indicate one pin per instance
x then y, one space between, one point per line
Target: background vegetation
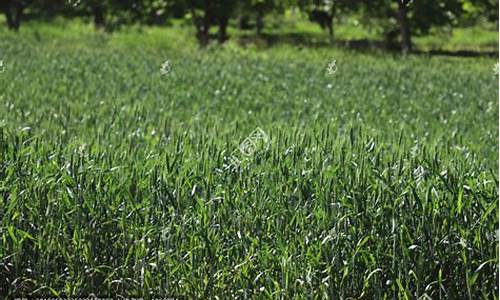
397 22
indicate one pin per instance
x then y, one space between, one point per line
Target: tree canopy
401 19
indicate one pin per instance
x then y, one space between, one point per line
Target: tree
412 17
258 9
223 10
98 10
206 13
13 10
323 12
404 27
104 11
106 14
156 12
485 8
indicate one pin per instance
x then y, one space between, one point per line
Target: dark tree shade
324 12
13 10
413 17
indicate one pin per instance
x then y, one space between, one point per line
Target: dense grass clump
378 181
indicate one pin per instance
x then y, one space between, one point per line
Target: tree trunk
223 29
203 33
390 38
329 25
202 24
18 13
13 13
259 22
404 27
206 23
243 22
99 19
197 23
10 19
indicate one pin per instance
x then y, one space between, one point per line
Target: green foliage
422 14
403 18
483 8
380 181
426 13
324 11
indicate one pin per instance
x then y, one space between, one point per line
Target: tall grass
379 181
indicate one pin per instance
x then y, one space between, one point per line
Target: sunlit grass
379 180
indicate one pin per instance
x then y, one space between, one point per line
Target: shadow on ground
362 45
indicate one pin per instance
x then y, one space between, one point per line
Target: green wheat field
378 181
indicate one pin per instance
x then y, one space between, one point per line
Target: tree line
400 19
